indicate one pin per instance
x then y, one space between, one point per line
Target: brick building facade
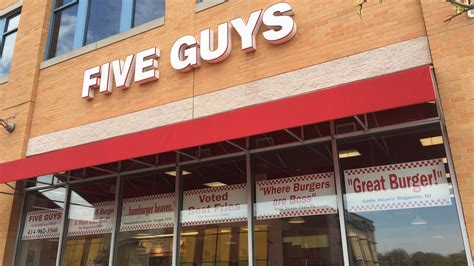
332 47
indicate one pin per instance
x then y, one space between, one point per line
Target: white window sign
397 186
215 205
149 212
296 196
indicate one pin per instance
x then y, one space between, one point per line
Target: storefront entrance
376 189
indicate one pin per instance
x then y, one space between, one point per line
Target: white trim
206 4
381 61
11 8
4 79
104 42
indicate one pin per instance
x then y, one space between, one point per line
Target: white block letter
224 43
90 82
248 32
278 18
146 67
184 54
106 76
123 72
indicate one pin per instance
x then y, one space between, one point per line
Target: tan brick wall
6 3
16 104
49 100
322 36
452 48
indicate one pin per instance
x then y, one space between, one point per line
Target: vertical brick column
452 48
17 98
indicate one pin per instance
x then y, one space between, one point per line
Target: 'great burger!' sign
188 52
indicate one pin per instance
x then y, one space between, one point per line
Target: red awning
385 92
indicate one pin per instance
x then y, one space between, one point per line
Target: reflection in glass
214 215
13 22
7 53
60 3
400 202
42 225
62 36
146 230
296 210
8 42
90 222
104 19
148 10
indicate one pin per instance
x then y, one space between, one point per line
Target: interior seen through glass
398 200
90 221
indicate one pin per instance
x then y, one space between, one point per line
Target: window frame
126 21
4 26
183 160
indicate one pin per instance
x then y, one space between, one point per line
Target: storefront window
90 223
296 211
214 215
387 117
146 228
42 227
400 207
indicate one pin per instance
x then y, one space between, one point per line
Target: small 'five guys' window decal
187 52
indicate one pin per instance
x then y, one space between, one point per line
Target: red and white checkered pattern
42 236
392 167
296 213
103 204
32 213
296 179
214 189
215 221
138 227
400 205
91 232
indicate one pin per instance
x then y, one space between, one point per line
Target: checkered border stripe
400 205
151 197
215 221
41 236
296 179
215 189
43 212
91 232
392 167
296 213
103 204
139 227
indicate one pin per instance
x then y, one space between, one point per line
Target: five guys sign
187 52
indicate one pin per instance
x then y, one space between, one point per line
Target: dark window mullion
57 9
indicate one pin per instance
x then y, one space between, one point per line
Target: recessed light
445 160
418 221
349 154
173 173
425 142
296 220
214 184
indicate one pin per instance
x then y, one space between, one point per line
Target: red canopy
380 93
